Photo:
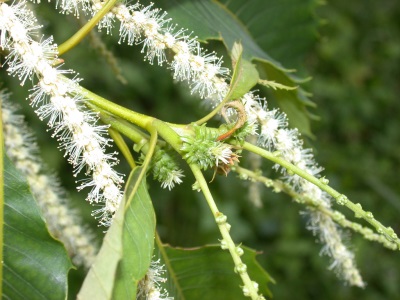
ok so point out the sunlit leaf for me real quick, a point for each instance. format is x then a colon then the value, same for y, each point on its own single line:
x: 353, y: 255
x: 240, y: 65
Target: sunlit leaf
x: 35, y: 265
x: 137, y: 238
x: 127, y: 247
x: 245, y: 75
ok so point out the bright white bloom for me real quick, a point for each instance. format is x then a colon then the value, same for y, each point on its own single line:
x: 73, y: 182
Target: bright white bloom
x: 342, y: 258
x: 174, y: 177
x: 222, y: 153
x: 149, y: 26
x: 149, y: 288
x: 73, y: 6
x: 62, y: 221
x: 275, y: 136
x: 57, y: 98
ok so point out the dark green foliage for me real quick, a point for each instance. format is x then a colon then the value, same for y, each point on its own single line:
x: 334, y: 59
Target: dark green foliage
x: 207, y: 273
x: 35, y: 265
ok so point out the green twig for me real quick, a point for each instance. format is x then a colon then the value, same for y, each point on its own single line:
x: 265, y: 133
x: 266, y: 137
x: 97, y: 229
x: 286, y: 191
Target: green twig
x: 146, y: 122
x: 84, y: 31
x: 341, y: 199
x: 123, y: 147
x: 127, y: 129
x: 224, y: 227
x: 168, y: 134
x: 336, y: 216
x: 146, y: 162
x: 136, y: 118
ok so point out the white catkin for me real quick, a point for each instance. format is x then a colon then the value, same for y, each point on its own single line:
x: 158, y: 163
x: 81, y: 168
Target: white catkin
x: 57, y: 98
x: 62, y: 222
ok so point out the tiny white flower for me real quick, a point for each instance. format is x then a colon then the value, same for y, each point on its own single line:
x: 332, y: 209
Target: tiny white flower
x: 174, y: 177
x: 273, y: 132
x: 286, y: 139
x: 222, y: 153
x: 149, y: 287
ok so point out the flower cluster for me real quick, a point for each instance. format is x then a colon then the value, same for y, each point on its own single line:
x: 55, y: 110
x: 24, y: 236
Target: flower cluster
x: 165, y: 169
x: 150, y: 288
x: 62, y: 222
x: 149, y: 27
x: 204, y: 150
x: 275, y: 135
x: 58, y: 99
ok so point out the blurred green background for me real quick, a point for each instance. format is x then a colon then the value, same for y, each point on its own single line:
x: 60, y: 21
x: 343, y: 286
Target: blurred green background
x: 354, y: 62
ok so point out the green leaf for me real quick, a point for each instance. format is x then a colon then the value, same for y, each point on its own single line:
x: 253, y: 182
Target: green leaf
x: 276, y: 86
x: 245, y: 75
x: 287, y: 29
x: 138, y: 238
x: 207, y: 273
x: 211, y: 20
x: 288, y: 35
x: 35, y: 265
x: 99, y: 281
x: 125, y: 255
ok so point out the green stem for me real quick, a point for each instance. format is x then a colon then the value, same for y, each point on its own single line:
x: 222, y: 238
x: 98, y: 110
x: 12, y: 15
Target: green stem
x: 152, y: 146
x: 80, y: 35
x: 123, y: 147
x: 224, y: 229
x: 168, y: 134
x: 217, y: 109
x: 341, y: 199
x: 117, y: 110
x: 163, y: 129
x: 146, y: 122
x: 129, y: 130
x: 146, y: 162
x: 336, y: 216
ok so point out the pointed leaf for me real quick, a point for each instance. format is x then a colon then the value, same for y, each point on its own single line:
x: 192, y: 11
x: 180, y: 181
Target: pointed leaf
x: 35, y: 265
x: 207, y: 273
x: 138, y: 238
x: 245, y: 75
x: 276, y: 86
x: 211, y: 20
x: 286, y: 29
x: 127, y: 247
x: 288, y: 35
x: 99, y: 281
